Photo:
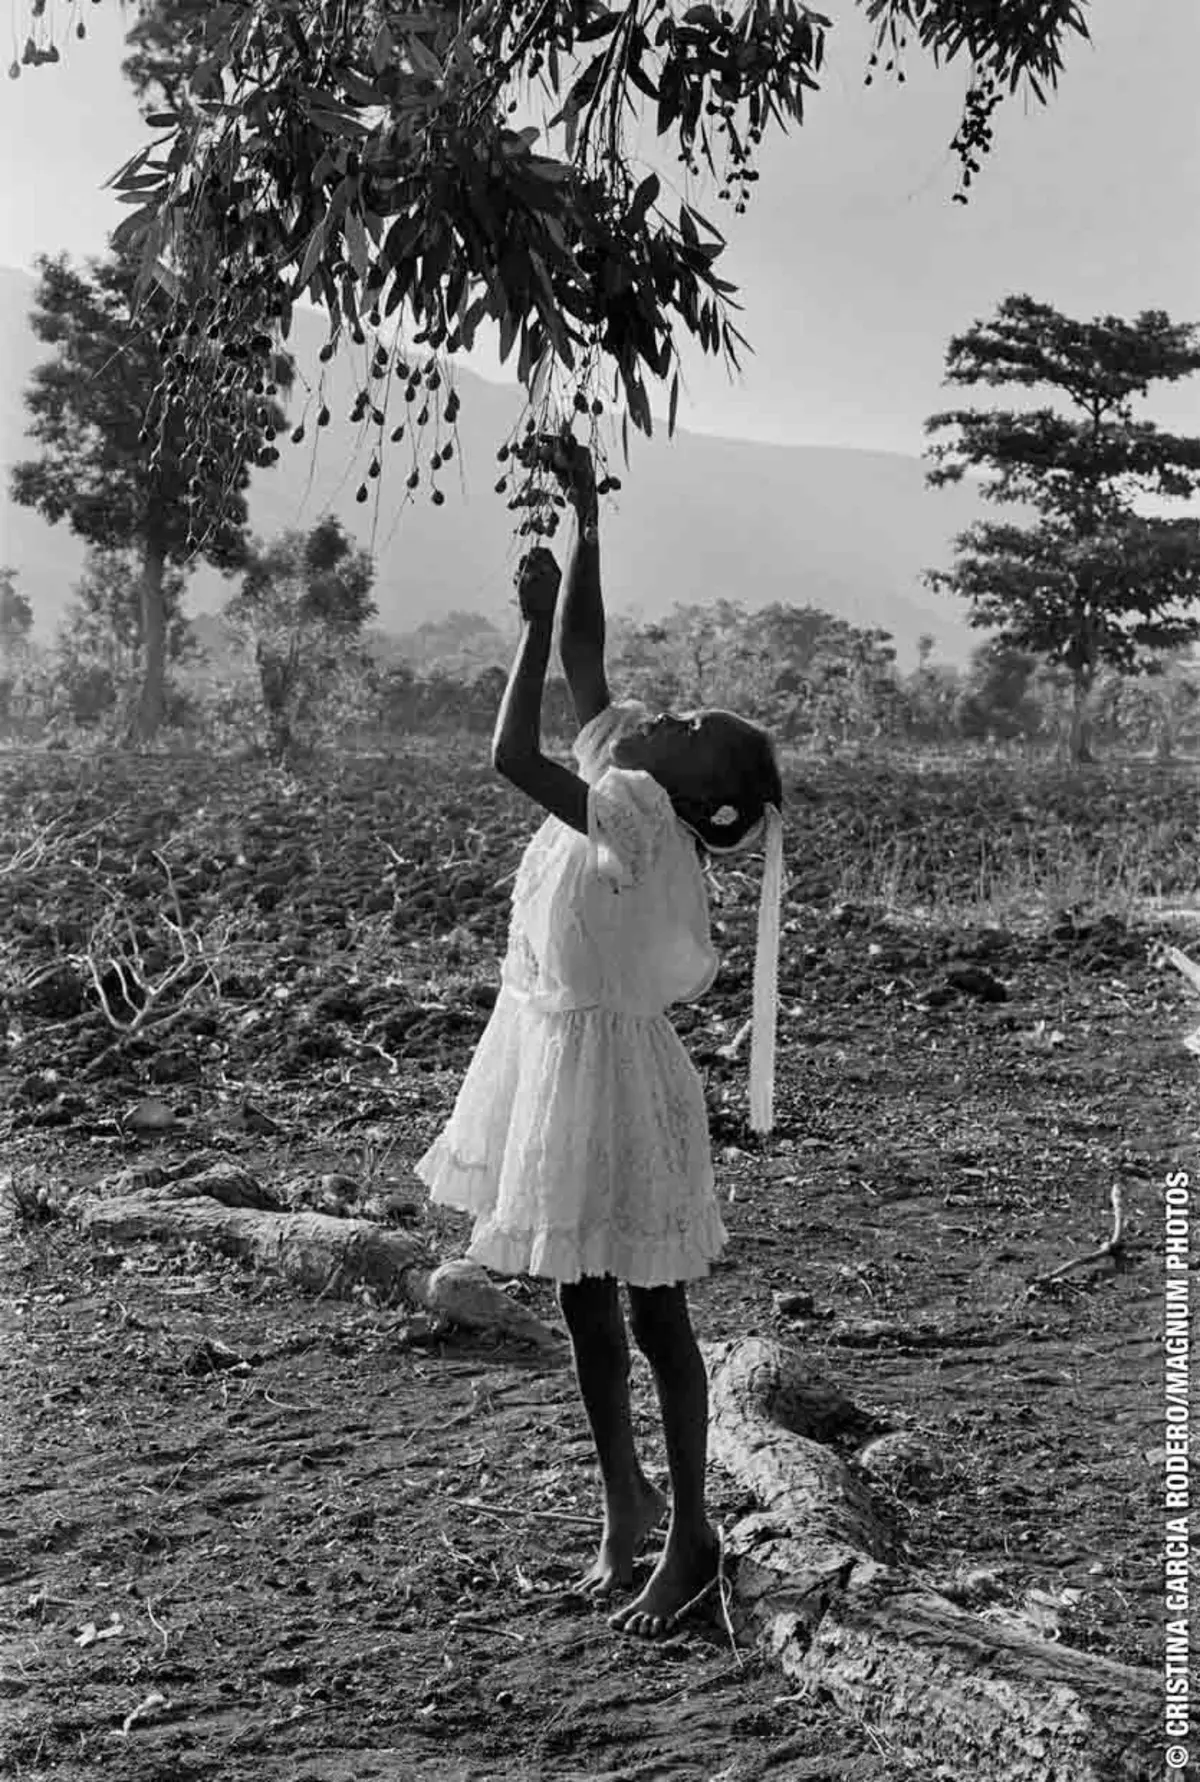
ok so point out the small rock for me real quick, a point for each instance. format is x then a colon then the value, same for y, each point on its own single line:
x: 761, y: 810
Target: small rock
x: 150, y: 1115
x: 336, y: 1192
x: 973, y: 980
x: 253, y: 1120
x: 211, y: 1356
x: 793, y: 1305
x: 390, y: 1208
x: 900, y: 1459
x: 343, y: 1003
x: 39, y: 1085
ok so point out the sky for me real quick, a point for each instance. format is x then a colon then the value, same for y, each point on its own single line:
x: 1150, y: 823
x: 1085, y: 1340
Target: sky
x: 854, y: 266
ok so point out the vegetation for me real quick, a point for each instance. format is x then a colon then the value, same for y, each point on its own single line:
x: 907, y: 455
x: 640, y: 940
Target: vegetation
x: 1094, y: 581
x: 386, y: 161
x: 302, y: 605
x: 169, y: 497
x: 293, y: 664
x: 16, y: 616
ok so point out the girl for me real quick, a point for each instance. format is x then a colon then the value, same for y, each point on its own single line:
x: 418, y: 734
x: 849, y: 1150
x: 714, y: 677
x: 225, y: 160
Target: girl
x: 579, y: 1139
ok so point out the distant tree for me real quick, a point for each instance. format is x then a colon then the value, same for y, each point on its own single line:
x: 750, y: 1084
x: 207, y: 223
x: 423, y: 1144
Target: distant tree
x: 461, y: 644
x: 99, y: 642
x: 165, y: 43
x: 929, y: 697
x: 16, y: 628
x: 1091, y: 581
x: 803, y: 672
x: 368, y: 158
x: 106, y: 612
x: 998, y: 699
x: 1159, y: 709
x: 301, y: 608
x: 16, y: 615
x: 118, y: 481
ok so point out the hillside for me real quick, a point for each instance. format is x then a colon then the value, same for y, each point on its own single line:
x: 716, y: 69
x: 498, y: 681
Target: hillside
x: 699, y: 517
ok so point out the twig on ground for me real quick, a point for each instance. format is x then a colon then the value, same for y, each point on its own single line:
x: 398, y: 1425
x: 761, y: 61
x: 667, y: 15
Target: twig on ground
x: 331, y: 1280
x: 1161, y: 954
x: 724, y: 1594
x: 506, y: 1515
x: 1114, y: 1248
x: 155, y: 1622
x: 738, y: 1041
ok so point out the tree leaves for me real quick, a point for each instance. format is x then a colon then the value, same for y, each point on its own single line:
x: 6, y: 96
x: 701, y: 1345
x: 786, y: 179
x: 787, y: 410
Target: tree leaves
x: 312, y: 254
x: 1092, y: 581
x: 344, y: 151
x: 601, y: 26
x: 100, y: 469
x: 646, y: 194
x: 356, y: 243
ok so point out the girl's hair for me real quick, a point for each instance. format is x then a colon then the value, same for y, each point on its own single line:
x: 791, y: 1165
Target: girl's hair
x: 759, y: 785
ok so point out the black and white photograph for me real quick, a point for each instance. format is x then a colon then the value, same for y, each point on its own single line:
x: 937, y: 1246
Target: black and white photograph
x: 599, y: 890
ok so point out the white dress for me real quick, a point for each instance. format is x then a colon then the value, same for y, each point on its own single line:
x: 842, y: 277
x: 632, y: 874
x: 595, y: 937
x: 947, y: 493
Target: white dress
x: 579, y: 1139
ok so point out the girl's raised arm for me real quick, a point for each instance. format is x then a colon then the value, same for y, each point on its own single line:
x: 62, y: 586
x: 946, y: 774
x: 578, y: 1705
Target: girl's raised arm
x: 517, y: 741
x: 581, y: 641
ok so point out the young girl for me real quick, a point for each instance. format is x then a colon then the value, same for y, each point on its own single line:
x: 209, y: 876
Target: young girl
x: 579, y: 1139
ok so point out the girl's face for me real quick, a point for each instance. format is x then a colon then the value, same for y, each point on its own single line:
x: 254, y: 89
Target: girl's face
x: 701, y: 757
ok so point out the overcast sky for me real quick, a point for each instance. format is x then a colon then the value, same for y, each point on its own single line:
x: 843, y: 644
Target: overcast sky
x: 854, y: 265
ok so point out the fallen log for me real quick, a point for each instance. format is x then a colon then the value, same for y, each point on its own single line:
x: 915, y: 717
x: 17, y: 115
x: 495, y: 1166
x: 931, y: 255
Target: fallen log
x: 320, y: 1253
x: 821, y: 1579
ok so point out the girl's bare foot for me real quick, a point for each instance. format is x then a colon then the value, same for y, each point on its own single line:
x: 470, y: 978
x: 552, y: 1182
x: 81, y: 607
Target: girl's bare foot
x: 624, y: 1532
x: 683, y: 1577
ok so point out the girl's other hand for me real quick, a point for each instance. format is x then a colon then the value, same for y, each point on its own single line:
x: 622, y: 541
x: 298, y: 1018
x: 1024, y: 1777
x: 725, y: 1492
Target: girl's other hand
x: 538, y: 581
x: 572, y: 464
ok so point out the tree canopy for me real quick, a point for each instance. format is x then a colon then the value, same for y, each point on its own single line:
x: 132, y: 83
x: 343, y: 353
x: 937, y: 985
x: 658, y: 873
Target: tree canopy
x: 302, y: 604
x: 1093, y: 581
x: 382, y: 160
x: 171, y: 492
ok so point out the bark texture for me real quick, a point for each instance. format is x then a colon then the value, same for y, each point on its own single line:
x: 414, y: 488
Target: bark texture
x: 821, y: 1578
x: 321, y: 1254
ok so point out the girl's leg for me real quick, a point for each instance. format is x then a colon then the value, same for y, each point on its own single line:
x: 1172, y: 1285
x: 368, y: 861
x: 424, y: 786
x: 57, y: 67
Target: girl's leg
x: 663, y: 1332
x: 632, y: 1505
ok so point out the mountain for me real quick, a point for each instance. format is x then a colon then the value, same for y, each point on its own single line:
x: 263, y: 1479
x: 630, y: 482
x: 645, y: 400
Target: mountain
x: 698, y: 517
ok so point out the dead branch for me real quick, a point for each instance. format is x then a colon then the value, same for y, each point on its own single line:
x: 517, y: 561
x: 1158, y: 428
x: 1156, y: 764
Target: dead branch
x: 114, y: 950
x: 320, y: 1253
x: 737, y: 1043
x: 822, y: 1580
x: 1160, y: 955
x: 1114, y: 1248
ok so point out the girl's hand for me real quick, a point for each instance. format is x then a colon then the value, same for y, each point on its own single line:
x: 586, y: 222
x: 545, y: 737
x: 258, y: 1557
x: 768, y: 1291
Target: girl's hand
x: 538, y: 581
x: 572, y: 464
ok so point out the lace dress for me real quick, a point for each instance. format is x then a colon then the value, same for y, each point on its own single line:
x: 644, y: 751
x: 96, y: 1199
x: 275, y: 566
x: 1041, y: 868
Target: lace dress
x: 579, y: 1139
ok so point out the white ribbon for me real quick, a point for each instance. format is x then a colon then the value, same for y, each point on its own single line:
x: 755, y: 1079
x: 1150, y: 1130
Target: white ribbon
x: 766, y: 979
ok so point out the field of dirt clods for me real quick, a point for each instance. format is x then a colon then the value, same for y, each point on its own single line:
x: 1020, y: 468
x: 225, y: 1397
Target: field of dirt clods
x: 249, y: 1535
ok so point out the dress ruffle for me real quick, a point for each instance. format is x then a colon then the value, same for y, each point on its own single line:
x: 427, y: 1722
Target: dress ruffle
x: 579, y: 1142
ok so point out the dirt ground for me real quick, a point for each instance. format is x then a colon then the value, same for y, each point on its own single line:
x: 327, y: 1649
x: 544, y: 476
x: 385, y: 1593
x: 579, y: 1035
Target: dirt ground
x: 250, y: 1536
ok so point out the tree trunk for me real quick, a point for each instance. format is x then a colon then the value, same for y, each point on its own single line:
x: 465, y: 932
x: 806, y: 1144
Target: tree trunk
x: 821, y: 1578
x: 1080, y: 743
x: 1165, y: 718
x: 152, y: 694
x: 317, y: 1252
x: 276, y: 677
